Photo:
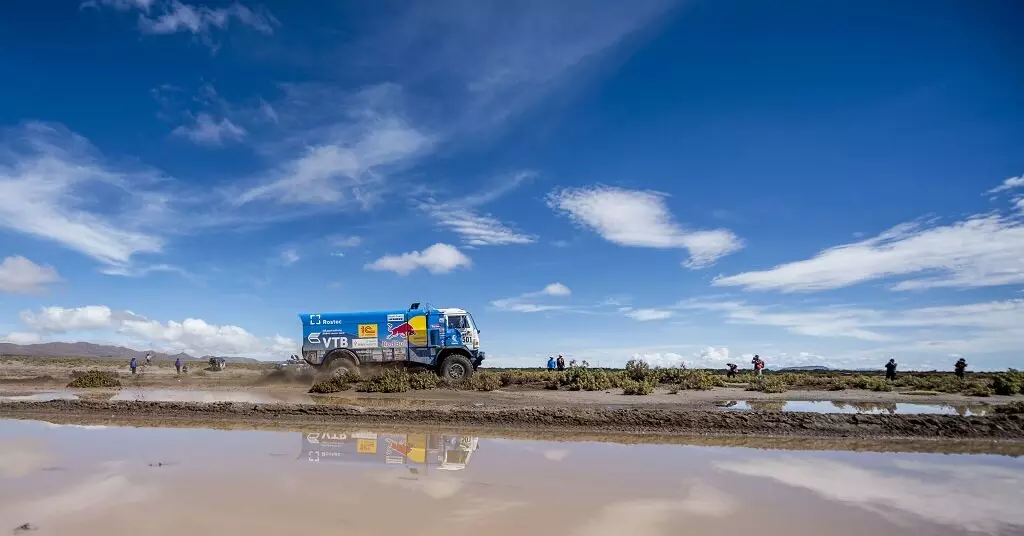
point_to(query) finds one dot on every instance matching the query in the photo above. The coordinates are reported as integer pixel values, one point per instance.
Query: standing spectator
(959, 367)
(758, 365)
(560, 362)
(133, 363)
(551, 363)
(149, 359)
(177, 364)
(731, 373)
(890, 370)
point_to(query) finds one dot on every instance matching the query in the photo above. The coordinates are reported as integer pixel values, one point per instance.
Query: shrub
(335, 384)
(836, 384)
(552, 384)
(672, 375)
(1014, 408)
(1008, 383)
(421, 381)
(640, 388)
(768, 384)
(638, 370)
(94, 378)
(978, 391)
(701, 380)
(512, 377)
(392, 380)
(579, 378)
(485, 381)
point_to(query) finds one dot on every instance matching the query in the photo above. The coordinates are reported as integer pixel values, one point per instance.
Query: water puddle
(856, 407)
(168, 481)
(181, 395)
(39, 397)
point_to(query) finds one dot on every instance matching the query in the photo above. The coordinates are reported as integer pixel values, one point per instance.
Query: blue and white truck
(446, 341)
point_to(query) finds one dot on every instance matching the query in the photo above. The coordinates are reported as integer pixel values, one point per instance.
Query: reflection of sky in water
(815, 406)
(256, 482)
(181, 395)
(39, 397)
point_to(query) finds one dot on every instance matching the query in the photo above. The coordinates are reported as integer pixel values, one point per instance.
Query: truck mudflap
(477, 360)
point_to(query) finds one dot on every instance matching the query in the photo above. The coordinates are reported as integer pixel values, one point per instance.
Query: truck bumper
(477, 360)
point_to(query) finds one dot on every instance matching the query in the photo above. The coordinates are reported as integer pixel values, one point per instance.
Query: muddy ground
(523, 408)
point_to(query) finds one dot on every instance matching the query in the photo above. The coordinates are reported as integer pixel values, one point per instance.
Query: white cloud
(646, 315)
(21, 337)
(19, 275)
(980, 251)
(289, 257)
(557, 289)
(479, 230)
(340, 147)
(641, 219)
(192, 335)
(345, 241)
(50, 181)
(61, 320)
(162, 17)
(437, 259)
(983, 327)
(205, 130)
(712, 355)
(1008, 184)
(524, 303)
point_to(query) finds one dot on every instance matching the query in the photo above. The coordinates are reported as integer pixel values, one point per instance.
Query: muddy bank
(570, 419)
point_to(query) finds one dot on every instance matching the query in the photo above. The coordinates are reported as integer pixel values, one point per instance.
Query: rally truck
(446, 341)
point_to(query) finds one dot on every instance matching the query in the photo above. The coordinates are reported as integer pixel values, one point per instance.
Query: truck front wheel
(456, 368)
(341, 364)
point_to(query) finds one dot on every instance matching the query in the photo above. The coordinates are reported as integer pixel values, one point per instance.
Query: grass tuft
(94, 379)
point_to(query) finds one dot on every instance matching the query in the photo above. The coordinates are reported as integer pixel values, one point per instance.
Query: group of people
(732, 369)
(958, 368)
(178, 365)
(556, 364)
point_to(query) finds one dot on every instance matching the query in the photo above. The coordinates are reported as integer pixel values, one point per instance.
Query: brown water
(152, 481)
(189, 395)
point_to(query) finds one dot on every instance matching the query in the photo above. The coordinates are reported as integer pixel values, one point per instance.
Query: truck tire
(456, 368)
(342, 362)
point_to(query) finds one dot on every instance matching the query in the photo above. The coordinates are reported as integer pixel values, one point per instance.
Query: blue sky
(689, 182)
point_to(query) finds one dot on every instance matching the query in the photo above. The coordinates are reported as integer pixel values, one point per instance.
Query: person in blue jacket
(551, 363)
(177, 364)
(133, 364)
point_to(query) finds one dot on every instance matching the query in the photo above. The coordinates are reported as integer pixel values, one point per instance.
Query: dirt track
(638, 420)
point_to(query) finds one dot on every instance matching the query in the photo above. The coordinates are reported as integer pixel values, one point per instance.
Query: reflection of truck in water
(419, 452)
(444, 340)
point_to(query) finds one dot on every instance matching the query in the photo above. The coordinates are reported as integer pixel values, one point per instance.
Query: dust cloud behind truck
(446, 341)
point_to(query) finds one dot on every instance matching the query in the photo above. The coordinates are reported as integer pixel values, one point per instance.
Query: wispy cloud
(19, 275)
(289, 257)
(1009, 184)
(527, 302)
(52, 182)
(983, 250)
(210, 132)
(646, 315)
(641, 219)
(478, 229)
(437, 259)
(163, 17)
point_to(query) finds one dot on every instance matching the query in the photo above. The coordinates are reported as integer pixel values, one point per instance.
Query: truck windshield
(457, 322)
(473, 322)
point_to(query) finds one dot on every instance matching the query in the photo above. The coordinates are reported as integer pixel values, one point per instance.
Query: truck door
(420, 348)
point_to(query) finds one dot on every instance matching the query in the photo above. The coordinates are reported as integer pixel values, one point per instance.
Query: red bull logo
(400, 447)
(401, 331)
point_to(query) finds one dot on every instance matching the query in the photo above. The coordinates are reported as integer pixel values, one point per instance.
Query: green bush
(94, 378)
(1008, 383)
(638, 370)
(421, 381)
(640, 388)
(392, 380)
(768, 384)
(579, 378)
(485, 381)
(335, 384)
(701, 380)
(552, 384)
(978, 391)
(1014, 408)
(836, 384)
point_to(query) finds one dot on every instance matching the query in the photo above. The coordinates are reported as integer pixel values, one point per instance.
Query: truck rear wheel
(342, 364)
(456, 368)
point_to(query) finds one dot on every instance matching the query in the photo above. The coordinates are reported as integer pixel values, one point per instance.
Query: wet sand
(629, 420)
(91, 480)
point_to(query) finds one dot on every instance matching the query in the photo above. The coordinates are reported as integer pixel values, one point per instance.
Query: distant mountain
(803, 368)
(96, 351)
